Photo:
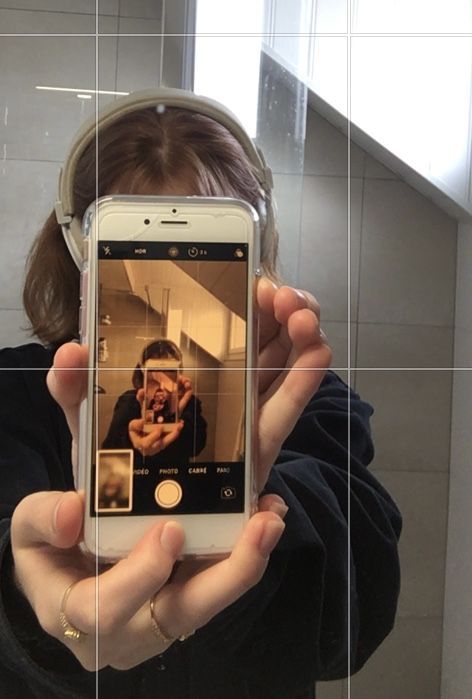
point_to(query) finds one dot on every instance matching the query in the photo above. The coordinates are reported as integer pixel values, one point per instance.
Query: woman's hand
(47, 528)
(113, 609)
(293, 358)
(185, 392)
(156, 440)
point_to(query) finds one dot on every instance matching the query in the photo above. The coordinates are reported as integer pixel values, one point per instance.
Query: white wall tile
(329, 690)
(77, 6)
(326, 149)
(381, 345)
(139, 57)
(375, 169)
(105, 7)
(422, 498)
(33, 22)
(107, 24)
(406, 666)
(149, 9)
(411, 421)
(463, 311)
(407, 257)
(108, 7)
(337, 334)
(13, 329)
(323, 251)
(56, 61)
(456, 671)
(288, 195)
(27, 195)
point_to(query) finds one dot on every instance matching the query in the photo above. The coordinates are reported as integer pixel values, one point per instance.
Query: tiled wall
(456, 677)
(37, 126)
(402, 286)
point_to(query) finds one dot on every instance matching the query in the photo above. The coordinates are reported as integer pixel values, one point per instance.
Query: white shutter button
(168, 494)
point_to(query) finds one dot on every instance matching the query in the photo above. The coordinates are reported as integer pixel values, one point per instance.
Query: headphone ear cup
(72, 234)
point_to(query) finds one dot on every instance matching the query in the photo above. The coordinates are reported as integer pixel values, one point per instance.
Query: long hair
(145, 152)
(159, 349)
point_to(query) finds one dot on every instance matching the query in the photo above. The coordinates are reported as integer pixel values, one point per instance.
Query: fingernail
(280, 508)
(265, 281)
(171, 538)
(272, 532)
(56, 510)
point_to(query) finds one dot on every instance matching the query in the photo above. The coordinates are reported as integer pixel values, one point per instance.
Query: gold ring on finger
(70, 631)
(157, 630)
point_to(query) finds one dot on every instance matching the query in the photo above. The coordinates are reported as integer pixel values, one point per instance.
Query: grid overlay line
(349, 368)
(97, 98)
(348, 96)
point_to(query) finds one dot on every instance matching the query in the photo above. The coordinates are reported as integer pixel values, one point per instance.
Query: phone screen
(170, 378)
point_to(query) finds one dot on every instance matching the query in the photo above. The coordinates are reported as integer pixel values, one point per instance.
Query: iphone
(167, 427)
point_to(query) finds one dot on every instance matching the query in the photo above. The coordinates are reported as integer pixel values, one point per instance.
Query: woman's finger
(273, 503)
(67, 382)
(171, 436)
(276, 309)
(205, 594)
(53, 518)
(156, 440)
(107, 603)
(140, 396)
(268, 325)
(285, 400)
(184, 399)
(288, 300)
(135, 429)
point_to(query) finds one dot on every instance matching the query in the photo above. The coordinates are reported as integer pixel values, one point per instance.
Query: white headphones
(159, 97)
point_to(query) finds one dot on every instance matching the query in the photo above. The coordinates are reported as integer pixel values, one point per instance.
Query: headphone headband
(165, 97)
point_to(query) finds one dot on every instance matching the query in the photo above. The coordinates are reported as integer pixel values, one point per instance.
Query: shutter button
(168, 494)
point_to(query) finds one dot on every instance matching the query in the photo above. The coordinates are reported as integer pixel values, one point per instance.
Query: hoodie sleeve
(329, 595)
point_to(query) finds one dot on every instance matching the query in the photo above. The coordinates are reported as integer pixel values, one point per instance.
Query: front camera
(174, 211)
(147, 221)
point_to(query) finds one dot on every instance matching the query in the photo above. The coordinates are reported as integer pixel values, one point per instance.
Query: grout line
(233, 34)
(75, 12)
(118, 20)
(392, 324)
(358, 295)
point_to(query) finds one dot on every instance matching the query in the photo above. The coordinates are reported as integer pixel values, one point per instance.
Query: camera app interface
(170, 379)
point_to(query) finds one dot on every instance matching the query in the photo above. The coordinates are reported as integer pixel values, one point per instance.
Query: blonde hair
(142, 153)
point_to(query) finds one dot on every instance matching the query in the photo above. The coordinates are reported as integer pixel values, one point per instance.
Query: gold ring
(161, 635)
(70, 631)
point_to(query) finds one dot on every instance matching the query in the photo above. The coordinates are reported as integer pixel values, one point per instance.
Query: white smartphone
(167, 428)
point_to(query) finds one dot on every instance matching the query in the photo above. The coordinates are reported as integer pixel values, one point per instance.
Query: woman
(298, 600)
(151, 436)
